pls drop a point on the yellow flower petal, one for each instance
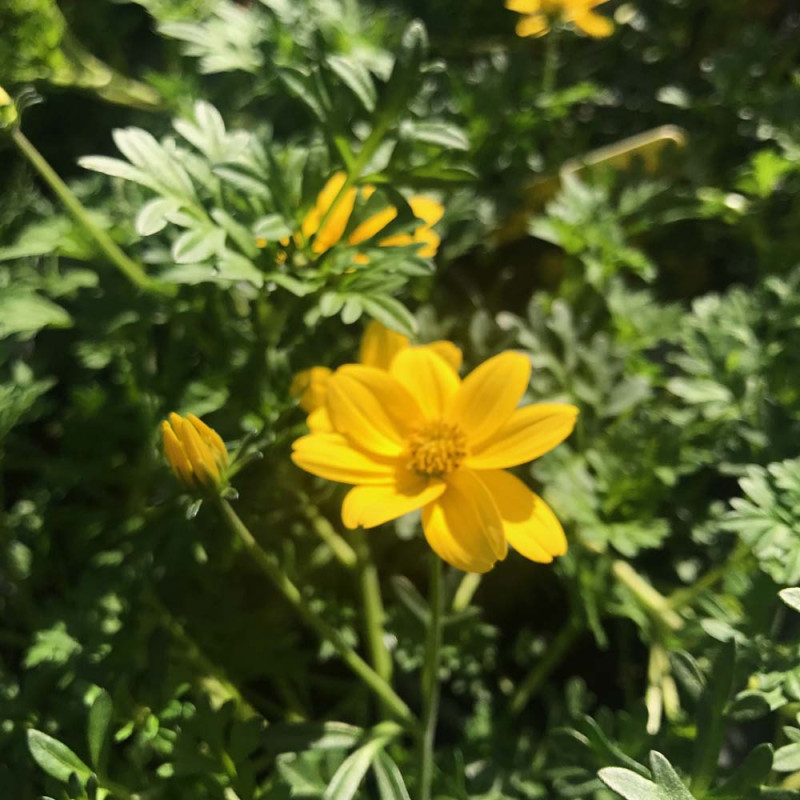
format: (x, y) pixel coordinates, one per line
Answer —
(530, 526)
(310, 386)
(397, 240)
(464, 526)
(332, 187)
(524, 6)
(595, 25)
(371, 408)
(379, 346)
(448, 351)
(429, 379)
(368, 506)
(331, 456)
(534, 25)
(212, 440)
(489, 395)
(175, 454)
(529, 433)
(429, 240)
(372, 225)
(319, 421)
(426, 209)
(204, 466)
(332, 229)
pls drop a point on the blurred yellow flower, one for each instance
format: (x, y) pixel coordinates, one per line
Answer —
(194, 452)
(379, 346)
(415, 436)
(324, 230)
(539, 14)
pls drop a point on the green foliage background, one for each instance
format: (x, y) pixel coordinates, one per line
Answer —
(665, 303)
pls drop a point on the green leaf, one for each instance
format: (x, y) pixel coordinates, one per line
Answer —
(629, 785)
(26, 313)
(55, 758)
(117, 168)
(441, 134)
(751, 773)
(406, 71)
(99, 729)
(667, 779)
(390, 313)
(410, 597)
(791, 597)
(198, 244)
(356, 77)
(152, 217)
(389, 778)
(666, 783)
(302, 86)
(787, 758)
(273, 228)
(285, 737)
(710, 720)
(348, 777)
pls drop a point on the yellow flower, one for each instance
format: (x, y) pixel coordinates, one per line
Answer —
(539, 14)
(329, 233)
(310, 386)
(195, 452)
(416, 436)
(379, 346)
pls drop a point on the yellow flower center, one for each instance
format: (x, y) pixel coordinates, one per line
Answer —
(437, 448)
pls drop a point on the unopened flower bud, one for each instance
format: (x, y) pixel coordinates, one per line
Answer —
(194, 452)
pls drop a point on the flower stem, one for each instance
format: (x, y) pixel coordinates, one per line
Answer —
(658, 606)
(430, 679)
(326, 631)
(104, 242)
(341, 550)
(550, 61)
(536, 678)
(374, 613)
(686, 595)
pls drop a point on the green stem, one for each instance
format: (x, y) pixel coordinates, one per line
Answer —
(683, 597)
(327, 632)
(430, 679)
(323, 528)
(654, 602)
(374, 614)
(537, 677)
(104, 242)
(550, 61)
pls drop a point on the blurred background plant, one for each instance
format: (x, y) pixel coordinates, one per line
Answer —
(652, 280)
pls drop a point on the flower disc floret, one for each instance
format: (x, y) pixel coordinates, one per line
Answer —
(437, 448)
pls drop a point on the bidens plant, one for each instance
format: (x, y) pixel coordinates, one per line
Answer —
(414, 436)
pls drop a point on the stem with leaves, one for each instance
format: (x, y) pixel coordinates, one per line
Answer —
(327, 632)
(107, 246)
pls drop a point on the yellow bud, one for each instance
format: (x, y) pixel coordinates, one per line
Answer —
(195, 453)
